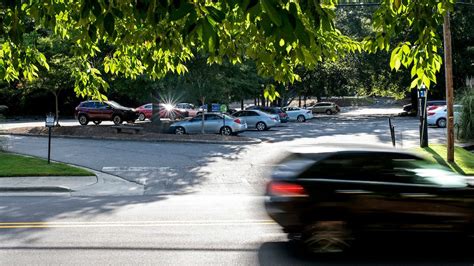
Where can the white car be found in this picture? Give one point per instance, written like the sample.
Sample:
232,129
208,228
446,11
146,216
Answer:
438,116
298,114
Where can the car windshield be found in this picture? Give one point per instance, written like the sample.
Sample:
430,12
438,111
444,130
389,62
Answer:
114,104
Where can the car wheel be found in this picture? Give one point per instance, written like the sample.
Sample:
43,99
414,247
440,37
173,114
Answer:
301,118
226,131
97,122
261,126
83,120
117,120
179,131
141,117
441,122
327,237
328,112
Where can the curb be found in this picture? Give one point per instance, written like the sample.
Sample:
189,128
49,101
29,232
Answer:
252,141
36,189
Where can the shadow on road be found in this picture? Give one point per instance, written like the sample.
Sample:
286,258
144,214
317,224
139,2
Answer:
427,252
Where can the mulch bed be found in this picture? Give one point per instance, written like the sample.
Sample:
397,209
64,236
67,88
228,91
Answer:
149,132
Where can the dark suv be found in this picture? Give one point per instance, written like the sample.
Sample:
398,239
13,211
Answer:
97,112
329,196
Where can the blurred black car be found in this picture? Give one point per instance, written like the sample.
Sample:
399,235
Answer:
328,197
272,110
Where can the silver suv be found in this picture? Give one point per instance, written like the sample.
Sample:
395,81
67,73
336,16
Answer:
325,107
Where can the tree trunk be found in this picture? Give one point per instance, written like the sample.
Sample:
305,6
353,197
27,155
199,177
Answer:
203,100
155,111
56,94
242,104
299,101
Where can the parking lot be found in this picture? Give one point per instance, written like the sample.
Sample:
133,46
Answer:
218,168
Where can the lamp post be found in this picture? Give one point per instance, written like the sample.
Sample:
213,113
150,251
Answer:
422,114
49,123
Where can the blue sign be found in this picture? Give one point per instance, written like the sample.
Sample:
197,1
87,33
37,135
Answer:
215,107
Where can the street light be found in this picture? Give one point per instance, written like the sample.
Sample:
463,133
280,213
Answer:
49,123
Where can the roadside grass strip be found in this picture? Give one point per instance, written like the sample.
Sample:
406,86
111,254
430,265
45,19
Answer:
13,165
463,159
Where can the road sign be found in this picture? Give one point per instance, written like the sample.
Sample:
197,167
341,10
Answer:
215,107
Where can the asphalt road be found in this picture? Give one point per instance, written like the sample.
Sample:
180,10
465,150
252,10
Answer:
202,204
176,230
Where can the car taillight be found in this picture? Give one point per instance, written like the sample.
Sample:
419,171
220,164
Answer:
431,113
237,121
286,189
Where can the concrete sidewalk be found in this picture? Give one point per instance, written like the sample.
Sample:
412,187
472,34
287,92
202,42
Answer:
100,185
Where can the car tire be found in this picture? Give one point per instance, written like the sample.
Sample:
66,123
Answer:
83,120
117,119
179,131
226,131
301,118
141,117
97,122
441,122
327,237
328,112
261,126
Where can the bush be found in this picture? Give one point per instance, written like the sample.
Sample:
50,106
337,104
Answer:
466,126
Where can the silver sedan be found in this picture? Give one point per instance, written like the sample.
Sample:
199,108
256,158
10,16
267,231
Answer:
257,119
213,123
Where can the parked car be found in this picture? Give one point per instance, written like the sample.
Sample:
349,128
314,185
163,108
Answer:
189,108
409,109
166,111
272,110
213,123
437,116
97,112
328,196
328,108
298,114
257,119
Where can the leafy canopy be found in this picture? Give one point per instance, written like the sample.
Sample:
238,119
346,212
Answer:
155,37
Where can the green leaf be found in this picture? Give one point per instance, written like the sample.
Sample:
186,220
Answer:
282,42
269,7
215,13
109,23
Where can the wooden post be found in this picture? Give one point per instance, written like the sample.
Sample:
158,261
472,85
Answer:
448,68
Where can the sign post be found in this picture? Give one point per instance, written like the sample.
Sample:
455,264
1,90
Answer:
49,123
223,111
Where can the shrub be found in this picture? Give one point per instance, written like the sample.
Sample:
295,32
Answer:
466,126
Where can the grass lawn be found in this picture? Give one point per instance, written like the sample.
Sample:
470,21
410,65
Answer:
463,159
18,165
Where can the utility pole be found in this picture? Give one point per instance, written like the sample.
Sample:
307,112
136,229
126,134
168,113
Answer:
448,69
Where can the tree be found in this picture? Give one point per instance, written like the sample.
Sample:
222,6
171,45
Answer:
154,37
